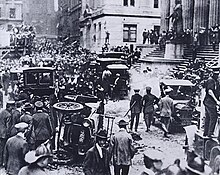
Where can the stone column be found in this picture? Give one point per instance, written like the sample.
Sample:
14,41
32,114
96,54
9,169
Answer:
165,12
200,18
188,11
214,13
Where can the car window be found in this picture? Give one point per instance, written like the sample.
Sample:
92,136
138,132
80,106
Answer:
45,78
31,78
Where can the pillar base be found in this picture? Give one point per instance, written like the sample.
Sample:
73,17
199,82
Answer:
174,50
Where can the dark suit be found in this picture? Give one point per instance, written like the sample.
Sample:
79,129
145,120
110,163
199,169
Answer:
15,149
94,164
5,124
136,106
14,120
42,127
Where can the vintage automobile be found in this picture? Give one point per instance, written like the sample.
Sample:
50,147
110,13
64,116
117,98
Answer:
184,106
121,69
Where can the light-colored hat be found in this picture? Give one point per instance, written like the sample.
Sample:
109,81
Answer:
169,89
42,151
10,102
39,104
21,125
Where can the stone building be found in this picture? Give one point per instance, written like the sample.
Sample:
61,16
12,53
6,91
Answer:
68,17
197,14
123,21
42,15
10,14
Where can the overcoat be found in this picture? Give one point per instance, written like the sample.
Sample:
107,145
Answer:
136,100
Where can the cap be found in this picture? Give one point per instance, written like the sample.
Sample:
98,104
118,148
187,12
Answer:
39,104
21,125
122,123
148,88
168,90
10,102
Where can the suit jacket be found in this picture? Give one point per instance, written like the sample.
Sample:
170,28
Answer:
15,118
166,106
42,126
136,98
148,101
5,123
94,164
15,149
121,148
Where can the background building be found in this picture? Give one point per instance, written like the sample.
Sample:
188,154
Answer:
42,15
123,20
10,14
68,16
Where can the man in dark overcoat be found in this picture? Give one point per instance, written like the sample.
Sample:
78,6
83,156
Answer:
135,106
15,149
5,125
148,102
42,125
97,158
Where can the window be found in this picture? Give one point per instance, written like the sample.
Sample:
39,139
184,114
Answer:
125,2
129,33
12,13
9,27
132,2
156,4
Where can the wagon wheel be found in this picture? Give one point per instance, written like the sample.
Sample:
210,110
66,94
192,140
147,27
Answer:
68,106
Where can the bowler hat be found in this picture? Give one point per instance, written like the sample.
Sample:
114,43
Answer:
122,123
136,90
38,104
102,134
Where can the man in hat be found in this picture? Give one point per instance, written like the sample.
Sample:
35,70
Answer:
135,106
97,158
15,149
210,102
148,102
28,118
117,87
38,160
5,126
122,149
166,107
41,124
15,118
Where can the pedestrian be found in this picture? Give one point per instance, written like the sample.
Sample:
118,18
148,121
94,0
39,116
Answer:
210,102
97,158
166,107
117,88
15,149
38,160
148,102
145,36
135,106
42,125
122,149
1,97
6,81
15,118
5,125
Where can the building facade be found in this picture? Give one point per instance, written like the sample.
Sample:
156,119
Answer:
117,22
42,15
68,16
10,14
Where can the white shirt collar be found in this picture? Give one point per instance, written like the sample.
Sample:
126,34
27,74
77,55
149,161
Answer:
21,135
99,150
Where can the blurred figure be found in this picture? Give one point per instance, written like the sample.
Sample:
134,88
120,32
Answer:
6,81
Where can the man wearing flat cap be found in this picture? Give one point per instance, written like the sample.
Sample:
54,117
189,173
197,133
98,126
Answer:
148,102
211,101
15,149
97,158
122,149
5,126
42,125
135,106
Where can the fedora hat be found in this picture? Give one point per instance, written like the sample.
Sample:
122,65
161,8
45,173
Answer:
101,134
122,123
41,151
27,106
